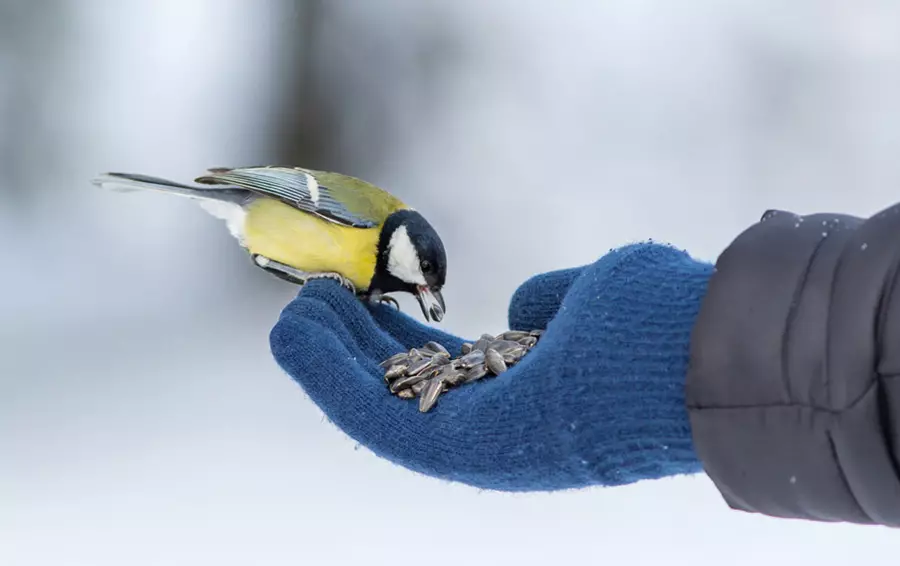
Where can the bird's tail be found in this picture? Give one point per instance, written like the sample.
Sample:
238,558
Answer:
127,182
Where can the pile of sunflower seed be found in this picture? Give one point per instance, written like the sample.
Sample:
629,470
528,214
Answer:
428,371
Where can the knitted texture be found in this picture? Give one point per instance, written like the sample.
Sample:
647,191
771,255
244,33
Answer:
599,400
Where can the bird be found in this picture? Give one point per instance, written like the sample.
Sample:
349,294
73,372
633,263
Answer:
303,224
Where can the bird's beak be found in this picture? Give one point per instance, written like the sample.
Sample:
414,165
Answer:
432,302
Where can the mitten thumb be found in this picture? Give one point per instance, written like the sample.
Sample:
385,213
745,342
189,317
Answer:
536,300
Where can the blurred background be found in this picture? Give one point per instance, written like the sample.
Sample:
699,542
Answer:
142,419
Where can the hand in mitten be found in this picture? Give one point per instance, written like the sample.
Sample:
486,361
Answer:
598,401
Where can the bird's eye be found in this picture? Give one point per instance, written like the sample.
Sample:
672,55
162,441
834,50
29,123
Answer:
425,265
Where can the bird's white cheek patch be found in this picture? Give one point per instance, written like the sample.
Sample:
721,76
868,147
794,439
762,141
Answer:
403,259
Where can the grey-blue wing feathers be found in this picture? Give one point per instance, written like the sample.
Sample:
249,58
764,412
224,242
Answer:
294,186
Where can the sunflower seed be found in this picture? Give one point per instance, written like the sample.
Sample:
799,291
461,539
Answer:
475,373
504,345
514,355
442,370
437,348
408,381
494,361
430,370
394,360
471,359
419,366
395,371
417,354
514,335
441,358
448,374
430,394
454,377
406,394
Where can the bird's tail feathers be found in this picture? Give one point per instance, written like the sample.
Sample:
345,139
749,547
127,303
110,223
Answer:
129,182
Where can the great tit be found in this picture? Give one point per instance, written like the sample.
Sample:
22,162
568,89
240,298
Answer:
301,224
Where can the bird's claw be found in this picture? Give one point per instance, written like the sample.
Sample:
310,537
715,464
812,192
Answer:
343,281
377,298
384,299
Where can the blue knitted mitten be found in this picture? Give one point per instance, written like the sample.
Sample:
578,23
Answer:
598,401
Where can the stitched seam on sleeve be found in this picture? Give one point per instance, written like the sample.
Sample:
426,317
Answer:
826,367
884,306
789,323
843,476
753,407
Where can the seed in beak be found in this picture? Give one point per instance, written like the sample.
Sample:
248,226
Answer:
431,302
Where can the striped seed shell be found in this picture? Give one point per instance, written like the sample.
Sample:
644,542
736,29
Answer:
428,371
406,394
441,358
430,394
471,359
514,335
455,377
408,381
475,373
420,353
394,360
395,371
448,374
514,355
494,361
504,345
420,366
437,348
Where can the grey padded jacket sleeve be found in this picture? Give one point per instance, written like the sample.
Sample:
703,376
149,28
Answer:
793,388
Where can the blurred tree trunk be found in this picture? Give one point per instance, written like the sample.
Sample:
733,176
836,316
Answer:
306,131
32,37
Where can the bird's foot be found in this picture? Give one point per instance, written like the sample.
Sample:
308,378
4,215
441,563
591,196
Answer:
298,277
376,297
389,301
344,282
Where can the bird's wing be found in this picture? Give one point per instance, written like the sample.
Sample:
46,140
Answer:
332,196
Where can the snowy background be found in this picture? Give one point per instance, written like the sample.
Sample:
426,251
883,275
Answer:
142,419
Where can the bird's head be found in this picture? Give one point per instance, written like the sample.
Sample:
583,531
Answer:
411,258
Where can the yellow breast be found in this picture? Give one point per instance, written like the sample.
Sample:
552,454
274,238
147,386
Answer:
308,243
